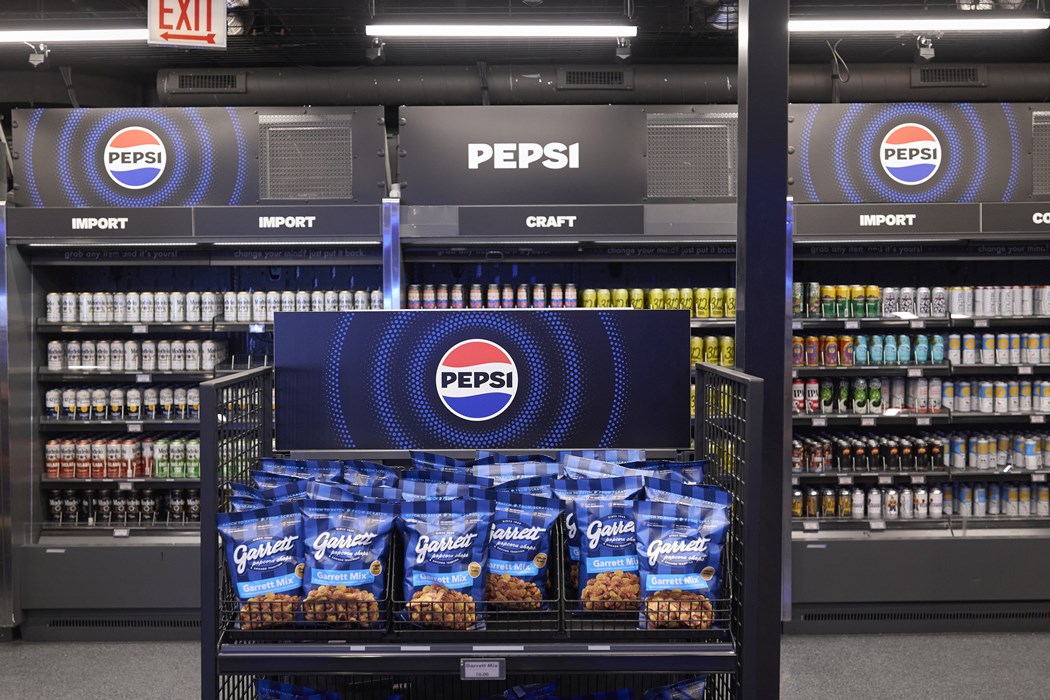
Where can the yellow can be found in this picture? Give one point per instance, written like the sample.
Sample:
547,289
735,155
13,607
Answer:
827,301
692,399
718,302
727,351
711,350
702,302
588,298
671,299
730,302
637,298
604,298
685,299
619,298
696,349
656,298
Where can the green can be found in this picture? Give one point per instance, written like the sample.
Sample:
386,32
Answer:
161,460
857,301
177,459
797,299
859,395
637,298
813,300
827,301
193,458
842,307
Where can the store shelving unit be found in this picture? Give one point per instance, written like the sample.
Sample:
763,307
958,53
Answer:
589,652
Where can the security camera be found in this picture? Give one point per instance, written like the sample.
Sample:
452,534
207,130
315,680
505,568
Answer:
38,55
375,54
924,48
623,49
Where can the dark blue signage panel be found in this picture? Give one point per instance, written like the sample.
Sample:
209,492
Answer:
495,379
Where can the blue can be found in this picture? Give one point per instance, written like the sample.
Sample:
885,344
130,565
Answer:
922,354
861,356
958,450
964,503
904,350
889,353
937,352
994,496
877,353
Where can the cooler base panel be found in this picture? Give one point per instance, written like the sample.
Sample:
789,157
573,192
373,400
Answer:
111,626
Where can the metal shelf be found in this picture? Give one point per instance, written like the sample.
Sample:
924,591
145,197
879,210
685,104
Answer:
117,529
44,326
870,419
141,377
127,426
799,525
874,371
1009,370
998,322
846,478
137,481
848,324
445,657
972,417
714,323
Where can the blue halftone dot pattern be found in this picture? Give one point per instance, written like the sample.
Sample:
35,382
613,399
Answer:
575,388
206,151
61,158
331,381
621,382
1015,152
27,157
841,155
803,158
931,116
242,156
979,148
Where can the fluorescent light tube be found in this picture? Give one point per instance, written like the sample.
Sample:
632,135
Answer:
503,31
57,36
928,24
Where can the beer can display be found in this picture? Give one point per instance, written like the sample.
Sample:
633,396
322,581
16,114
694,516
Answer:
797,300
727,351
842,301
686,301
604,297
414,298
589,298
730,302
716,305
672,301
655,299
701,302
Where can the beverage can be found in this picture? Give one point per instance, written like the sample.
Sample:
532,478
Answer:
570,296
443,296
685,300
476,298
193,403
161,307
317,300
86,307
194,310
557,297
813,300
923,302
133,404
701,302
890,301
539,296
493,297
244,307
99,404
193,356
56,356
68,308
797,300
150,403
163,356
939,302
456,299
302,302
179,402
230,305
53,307
178,356
415,296
132,355
717,303
857,301
116,404
330,297
673,302
620,298
177,307
273,304
148,355
361,299
69,404
812,396
177,459
166,404
375,299
655,300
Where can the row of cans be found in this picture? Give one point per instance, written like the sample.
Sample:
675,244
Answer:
842,453
715,350
494,296
922,395
136,356
200,307
816,300
700,302
998,451
128,403
105,457
863,350
998,302
123,507
999,349
978,500
993,396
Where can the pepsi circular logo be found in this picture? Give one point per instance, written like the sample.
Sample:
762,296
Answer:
477,380
135,158
910,154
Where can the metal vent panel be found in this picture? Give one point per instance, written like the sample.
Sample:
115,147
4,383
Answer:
104,623
948,76
691,155
925,615
596,79
206,82
305,156
1041,153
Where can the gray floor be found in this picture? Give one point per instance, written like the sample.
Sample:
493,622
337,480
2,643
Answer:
927,667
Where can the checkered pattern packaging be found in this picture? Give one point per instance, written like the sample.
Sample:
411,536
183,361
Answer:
672,491
608,574
303,468
361,473
618,456
511,471
519,551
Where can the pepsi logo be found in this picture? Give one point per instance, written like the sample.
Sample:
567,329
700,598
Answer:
135,158
910,154
477,380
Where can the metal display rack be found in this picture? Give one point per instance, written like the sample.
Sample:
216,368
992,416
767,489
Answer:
588,652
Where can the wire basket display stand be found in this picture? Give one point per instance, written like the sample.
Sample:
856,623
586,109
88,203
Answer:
378,653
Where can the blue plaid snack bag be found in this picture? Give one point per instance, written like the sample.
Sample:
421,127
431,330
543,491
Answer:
330,492
413,490
294,491
686,472
361,473
449,477
692,689
569,490
489,457
302,468
264,553
374,493
585,468
535,486
346,561
672,491
608,578
274,690
617,456
680,563
242,497
429,460
622,694
510,471
446,557
519,552
533,691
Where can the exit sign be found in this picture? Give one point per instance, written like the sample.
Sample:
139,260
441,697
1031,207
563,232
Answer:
188,23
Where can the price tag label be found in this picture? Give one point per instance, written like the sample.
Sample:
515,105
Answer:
914,371
794,481
1039,478
980,323
922,420
867,421
794,374
255,328
796,325
852,325
124,486
821,422
1039,418
143,378
877,524
885,480
917,479
1024,369
845,480
482,669
917,323
810,526
134,427
140,328
121,532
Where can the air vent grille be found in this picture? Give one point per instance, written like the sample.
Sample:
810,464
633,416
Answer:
596,79
691,155
925,616
103,623
305,156
948,76
205,82
1041,153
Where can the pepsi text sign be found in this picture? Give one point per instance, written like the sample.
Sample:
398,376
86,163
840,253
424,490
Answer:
134,158
470,379
910,154
187,23
475,380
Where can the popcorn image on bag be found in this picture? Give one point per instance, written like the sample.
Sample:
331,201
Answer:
608,557
519,551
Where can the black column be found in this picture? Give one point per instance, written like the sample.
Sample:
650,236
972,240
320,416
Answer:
764,321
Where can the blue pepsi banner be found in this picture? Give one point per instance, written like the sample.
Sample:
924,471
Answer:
215,156
911,153
488,379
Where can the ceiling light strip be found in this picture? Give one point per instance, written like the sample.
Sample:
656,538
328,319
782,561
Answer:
929,24
503,31
57,36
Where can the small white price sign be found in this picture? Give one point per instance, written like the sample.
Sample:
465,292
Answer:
794,481
134,427
845,480
914,371
810,526
885,480
980,323
794,374
820,422
1038,418
878,524
918,323
140,328
1039,478
124,486
917,479
796,325
482,669
852,325
143,378
868,421
255,328
1024,369
922,420
121,532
